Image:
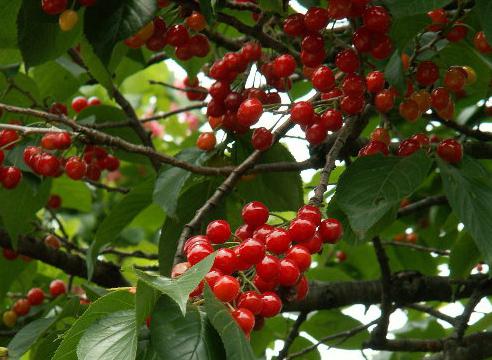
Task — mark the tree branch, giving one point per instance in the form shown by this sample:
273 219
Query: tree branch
417 247
422 204
433 312
293 334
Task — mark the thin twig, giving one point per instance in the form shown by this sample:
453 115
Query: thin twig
462 320
293 334
422 204
108 188
433 312
134 254
183 89
417 247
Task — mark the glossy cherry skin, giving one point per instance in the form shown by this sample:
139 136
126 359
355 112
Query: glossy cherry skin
300 255
21 307
244 318
427 73
289 272
225 261
408 147
218 231
251 251
278 241
57 287
250 300
255 214
53 7
323 79
450 150
212 277
262 232
249 112
269 267
331 230
375 81
262 139
347 61
271 304
374 147
301 230
284 65
35 296
302 288
10 177
226 288
302 113
197 253
377 19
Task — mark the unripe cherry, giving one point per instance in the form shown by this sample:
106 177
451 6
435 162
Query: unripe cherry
384 101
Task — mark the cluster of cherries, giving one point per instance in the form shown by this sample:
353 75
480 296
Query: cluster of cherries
156 35
34 297
68 18
259 265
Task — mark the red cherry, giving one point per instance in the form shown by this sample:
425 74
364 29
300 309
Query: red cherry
2 157
312 43
377 19
310 213
316 19
362 39
179 269
225 261
111 163
249 112
381 135
251 51
62 141
255 214
384 101
300 255
35 296
47 165
347 61
93 101
323 79
332 120
262 139
244 318
10 177
374 147
58 109
212 277
352 105
438 17
331 230
375 81
457 33
226 288
271 304
332 94
54 202
262 232
408 147
301 230
440 98
315 244
206 141
57 287
21 307
427 73
197 253
353 85
9 254
250 300
313 59
8 138
269 267
289 273
219 90
198 45
251 251
48 141
341 256
302 113
450 150
244 231
75 168
278 241
339 9
455 79
294 25
284 65
302 289
53 7
481 43
195 240
410 110
177 35
382 46
218 231
422 139
316 134
79 103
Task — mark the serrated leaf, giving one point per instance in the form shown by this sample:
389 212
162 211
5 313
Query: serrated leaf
180 288
113 337
373 185
236 345
399 8
177 337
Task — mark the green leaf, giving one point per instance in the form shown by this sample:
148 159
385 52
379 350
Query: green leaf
207 8
373 185
110 303
110 21
299 89
171 180
407 28
18 207
95 66
8 12
180 288
483 9
177 337
464 256
120 216
75 194
399 8
54 81
146 298
39 36
10 271
275 6
112 337
236 345
469 191
394 71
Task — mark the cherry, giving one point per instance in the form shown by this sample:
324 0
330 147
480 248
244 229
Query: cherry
382 46
250 300
408 147
316 134
450 150
8 138
264 285
199 46
2 157
422 139
384 101
457 33
471 75
212 277
427 73
195 240
448 112
219 90
310 213
316 19
93 172
79 103
196 21
302 289
423 99
332 94
313 59
261 233
301 230
10 177
21 307
377 19
255 214
331 230
439 19
9 318
294 25
339 9
226 288
251 251
411 238
381 135
9 254
47 165
179 269
300 255
48 141
206 141
362 39
62 141
110 163
315 244
184 52
68 19
177 35
302 113
341 256
481 43
57 287
440 98
405 61
268 268
375 81
244 231
249 112
409 110
244 318
455 79
271 304
278 241
53 7
262 139
225 261
93 101
198 252
284 65
312 43
374 147
323 79
58 109
251 51
218 231
289 273
352 105
347 61
75 168
54 202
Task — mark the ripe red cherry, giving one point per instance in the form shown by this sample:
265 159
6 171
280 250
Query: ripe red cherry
381 135
206 141
481 43
352 105
110 163
362 39
312 43
57 287
289 273
409 110
316 19
244 231
300 255
377 19
197 240
457 33
268 268
251 251
75 168
450 150
438 17
271 304
339 9
251 51
250 300
53 7
47 165
212 277
177 35
427 73
249 112
35 296
341 256
353 85
310 213
261 233
264 285
332 120
278 241
199 46
440 98
196 21
294 25
225 261
375 81
197 253
384 101
62 141
179 269
93 101
302 288
58 109
48 141
9 254
54 202
323 79
245 319
10 177
226 288
284 65
255 214
219 90
301 230
331 230
408 147
218 231
455 79
422 139
22 307
382 46
347 61
302 113
79 103
374 147
2 157
313 59
8 138
262 139
316 134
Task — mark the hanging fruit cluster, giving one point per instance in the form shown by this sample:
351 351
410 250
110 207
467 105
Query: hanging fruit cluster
68 18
